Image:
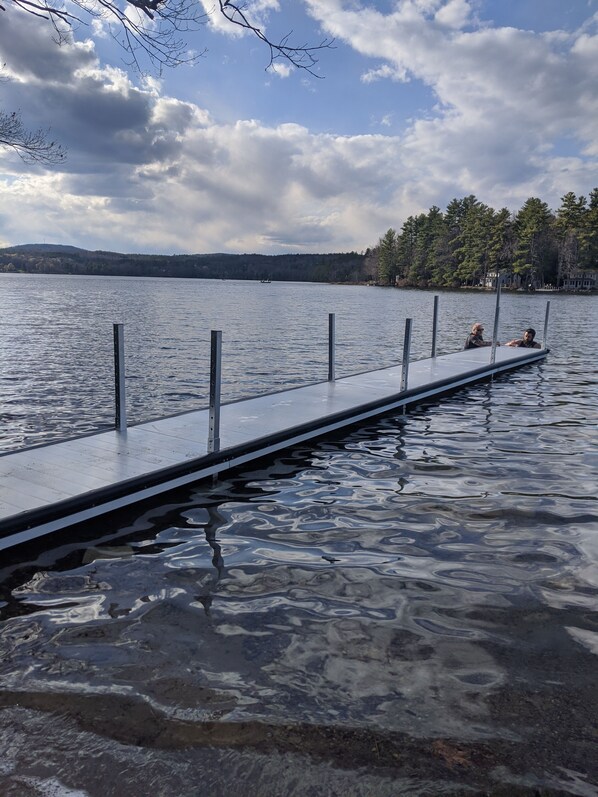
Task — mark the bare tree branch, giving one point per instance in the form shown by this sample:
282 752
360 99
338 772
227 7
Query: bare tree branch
162 39
301 57
33 146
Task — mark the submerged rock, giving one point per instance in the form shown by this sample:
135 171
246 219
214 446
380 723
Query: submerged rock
108 552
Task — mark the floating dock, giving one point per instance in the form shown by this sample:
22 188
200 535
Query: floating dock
47 488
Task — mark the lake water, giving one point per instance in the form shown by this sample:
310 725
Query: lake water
408 607
56 341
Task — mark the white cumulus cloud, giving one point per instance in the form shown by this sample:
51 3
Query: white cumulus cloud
147 171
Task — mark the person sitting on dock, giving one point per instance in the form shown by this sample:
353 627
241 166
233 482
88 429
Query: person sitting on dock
475 339
527 341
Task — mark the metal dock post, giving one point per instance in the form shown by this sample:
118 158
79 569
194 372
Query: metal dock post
120 399
496 318
406 353
331 345
545 338
215 385
434 326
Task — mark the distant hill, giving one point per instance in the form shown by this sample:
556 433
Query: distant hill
58 259
40 248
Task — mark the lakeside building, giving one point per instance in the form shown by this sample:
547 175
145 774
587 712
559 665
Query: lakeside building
581 281
508 279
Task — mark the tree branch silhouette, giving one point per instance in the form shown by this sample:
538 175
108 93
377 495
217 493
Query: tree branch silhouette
159 31
32 146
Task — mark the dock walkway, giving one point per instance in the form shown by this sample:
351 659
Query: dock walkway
46 488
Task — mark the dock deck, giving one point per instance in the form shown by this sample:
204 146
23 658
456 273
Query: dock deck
50 487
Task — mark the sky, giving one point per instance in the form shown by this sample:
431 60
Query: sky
417 102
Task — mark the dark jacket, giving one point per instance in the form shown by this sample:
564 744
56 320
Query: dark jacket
474 341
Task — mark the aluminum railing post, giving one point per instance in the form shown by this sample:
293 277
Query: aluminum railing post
215 386
331 347
406 353
434 326
496 319
545 338
120 399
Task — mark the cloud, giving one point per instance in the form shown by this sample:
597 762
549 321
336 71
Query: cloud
455 14
31 55
149 172
504 96
257 14
280 69
383 72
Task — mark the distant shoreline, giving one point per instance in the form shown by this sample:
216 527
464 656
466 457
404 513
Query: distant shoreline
335 268
347 283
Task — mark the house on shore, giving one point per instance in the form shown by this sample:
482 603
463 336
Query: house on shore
508 279
581 281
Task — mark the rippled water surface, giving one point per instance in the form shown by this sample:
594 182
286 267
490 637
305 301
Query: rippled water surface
56 341
406 608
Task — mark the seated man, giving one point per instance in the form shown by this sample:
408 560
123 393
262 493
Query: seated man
527 341
475 339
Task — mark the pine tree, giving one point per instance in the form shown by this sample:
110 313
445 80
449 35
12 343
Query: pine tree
387 257
473 240
591 231
501 243
572 235
430 235
418 272
533 254
406 247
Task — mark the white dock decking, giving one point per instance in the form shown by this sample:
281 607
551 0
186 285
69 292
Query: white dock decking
50 487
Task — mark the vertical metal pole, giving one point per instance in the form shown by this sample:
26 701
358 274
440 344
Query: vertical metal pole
545 338
496 319
331 345
120 402
215 385
434 326
406 352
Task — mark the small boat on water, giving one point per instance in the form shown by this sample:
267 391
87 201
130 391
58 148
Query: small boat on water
266 281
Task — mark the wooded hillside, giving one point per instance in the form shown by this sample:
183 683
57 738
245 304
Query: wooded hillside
47 259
